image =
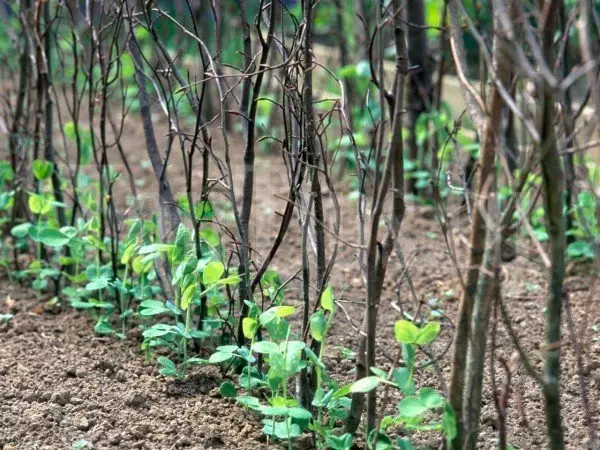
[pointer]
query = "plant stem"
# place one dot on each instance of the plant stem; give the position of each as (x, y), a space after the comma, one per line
(188, 318)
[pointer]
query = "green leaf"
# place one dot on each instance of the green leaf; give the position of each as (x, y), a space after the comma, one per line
(195, 362)
(408, 355)
(363, 68)
(166, 362)
(430, 398)
(154, 248)
(379, 372)
(42, 170)
(249, 327)
(327, 299)
(69, 130)
(406, 332)
(152, 308)
(212, 272)
(188, 296)
(291, 347)
(227, 348)
(97, 283)
(204, 211)
(81, 444)
(580, 249)
(220, 357)
(69, 231)
(284, 310)
(210, 236)
(412, 407)
(274, 410)
(428, 333)
(36, 203)
(265, 347)
(343, 391)
(231, 279)
(449, 422)
(22, 230)
(404, 380)
(248, 401)
(383, 441)
(168, 367)
(228, 390)
(127, 66)
(366, 384)
(78, 304)
(53, 237)
(278, 328)
(299, 413)
(158, 330)
(200, 334)
(318, 325)
(103, 327)
(343, 442)
(140, 265)
(34, 233)
(182, 238)
(267, 317)
(312, 357)
(128, 253)
(404, 444)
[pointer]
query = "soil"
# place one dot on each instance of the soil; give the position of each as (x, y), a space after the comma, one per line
(60, 384)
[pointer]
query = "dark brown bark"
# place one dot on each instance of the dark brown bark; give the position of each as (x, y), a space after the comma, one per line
(477, 237)
(168, 207)
(419, 91)
(17, 152)
(49, 153)
(553, 186)
(378, 253)
(248, 109)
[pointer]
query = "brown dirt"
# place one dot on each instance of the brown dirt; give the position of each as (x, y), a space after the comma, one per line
(59, 383)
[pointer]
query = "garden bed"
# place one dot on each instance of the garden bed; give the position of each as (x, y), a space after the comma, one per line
(63, 386)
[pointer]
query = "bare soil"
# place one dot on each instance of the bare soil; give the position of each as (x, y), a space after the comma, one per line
(59, 383)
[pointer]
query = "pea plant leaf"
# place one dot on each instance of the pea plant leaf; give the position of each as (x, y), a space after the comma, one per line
(406, 332)
(227, 389)
(366, 384)
(231, 279)
(188, 296)
(428, 333)
(53, 237)
(412, 407)
(220, 356)
(21, 230)
(152, 308)
(98, 283)
(249, 327)
(42, 170)
(327, 299)
(318, 325)
(212, 272)
(210, 236)
(265, 347)
(431, 398)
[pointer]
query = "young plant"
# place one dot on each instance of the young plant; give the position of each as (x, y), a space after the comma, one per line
(417, 407)
(197, 282)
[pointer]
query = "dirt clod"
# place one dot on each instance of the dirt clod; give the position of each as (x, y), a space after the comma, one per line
(115, 439)
(83, 424)
(135, 399)
(61, 398)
